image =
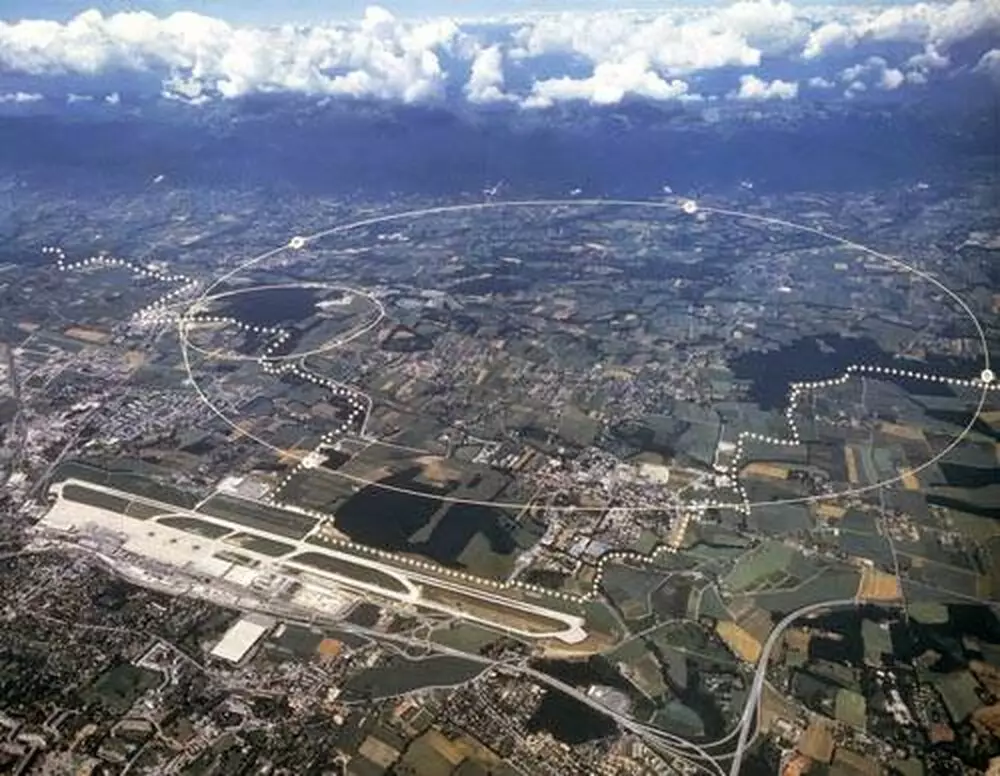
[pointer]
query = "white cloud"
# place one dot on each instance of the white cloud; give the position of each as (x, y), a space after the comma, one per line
(875, 71)
(890, 79)
(609, 85)
(931, 59)
(90, 42)
(870, 65)
(989, 63)
(818, 82)
(196, 58)
(935, 25)
(75, 98)
(827, 37)
(609, 38)
(935, 22)
(113, 99)
(754, 88)
(21, 97)
(770, 26)
(486, 79)
(200, 55)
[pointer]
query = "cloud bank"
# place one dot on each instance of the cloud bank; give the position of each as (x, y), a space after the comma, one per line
(753, 88)
(597, 58)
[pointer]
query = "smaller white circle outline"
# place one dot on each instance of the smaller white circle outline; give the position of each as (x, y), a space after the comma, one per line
(578, 203)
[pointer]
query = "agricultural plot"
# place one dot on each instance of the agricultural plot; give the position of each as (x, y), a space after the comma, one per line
(629, 589)
(834, 582)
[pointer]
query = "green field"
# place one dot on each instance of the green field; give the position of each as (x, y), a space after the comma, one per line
(850, 708)
(195, 526)
(132, 483)
(679, 719)
(760, 566)
(693, 641)
(400, 675)
(960, 692)
(122, 503)
(629, 588)
(832, 582)
(350, 570)
(94, 498)
(466, 636)
(123, 685)
(317, 489)
(260, 544)
(260, 517)
(928, 612)
(140, 510)
(599, 617)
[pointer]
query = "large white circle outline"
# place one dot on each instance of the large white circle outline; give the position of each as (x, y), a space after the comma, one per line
(577, 203)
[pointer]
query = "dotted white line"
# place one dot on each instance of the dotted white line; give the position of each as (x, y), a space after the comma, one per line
(533, 203)
(300, 356)
(156, 311)
(984, 383)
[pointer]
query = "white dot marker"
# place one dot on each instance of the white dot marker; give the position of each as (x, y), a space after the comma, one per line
(987, 376)
(690, 207)
(297, 243)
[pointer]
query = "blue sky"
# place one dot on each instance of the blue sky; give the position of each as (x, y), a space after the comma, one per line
(303, 11)
(275, 11)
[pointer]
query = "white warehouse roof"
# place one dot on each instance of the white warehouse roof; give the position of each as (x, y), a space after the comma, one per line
(240, 638)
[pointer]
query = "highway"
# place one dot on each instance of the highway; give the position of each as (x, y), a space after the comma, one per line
(17, 426)
(661, 741)
(419, 582)
(760, 675)
(744, 732)
(699, 754)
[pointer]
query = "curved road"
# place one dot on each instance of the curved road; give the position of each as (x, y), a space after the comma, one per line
(661, 740)
(696, 754)
(760, 675)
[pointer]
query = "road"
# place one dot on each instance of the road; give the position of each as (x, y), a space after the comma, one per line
(985, 383)
(111, 393)
(760, 675)
(17, 425)
(662, 741)
(659, 740)
(416, 579)
(69, 447)
(521, 669)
